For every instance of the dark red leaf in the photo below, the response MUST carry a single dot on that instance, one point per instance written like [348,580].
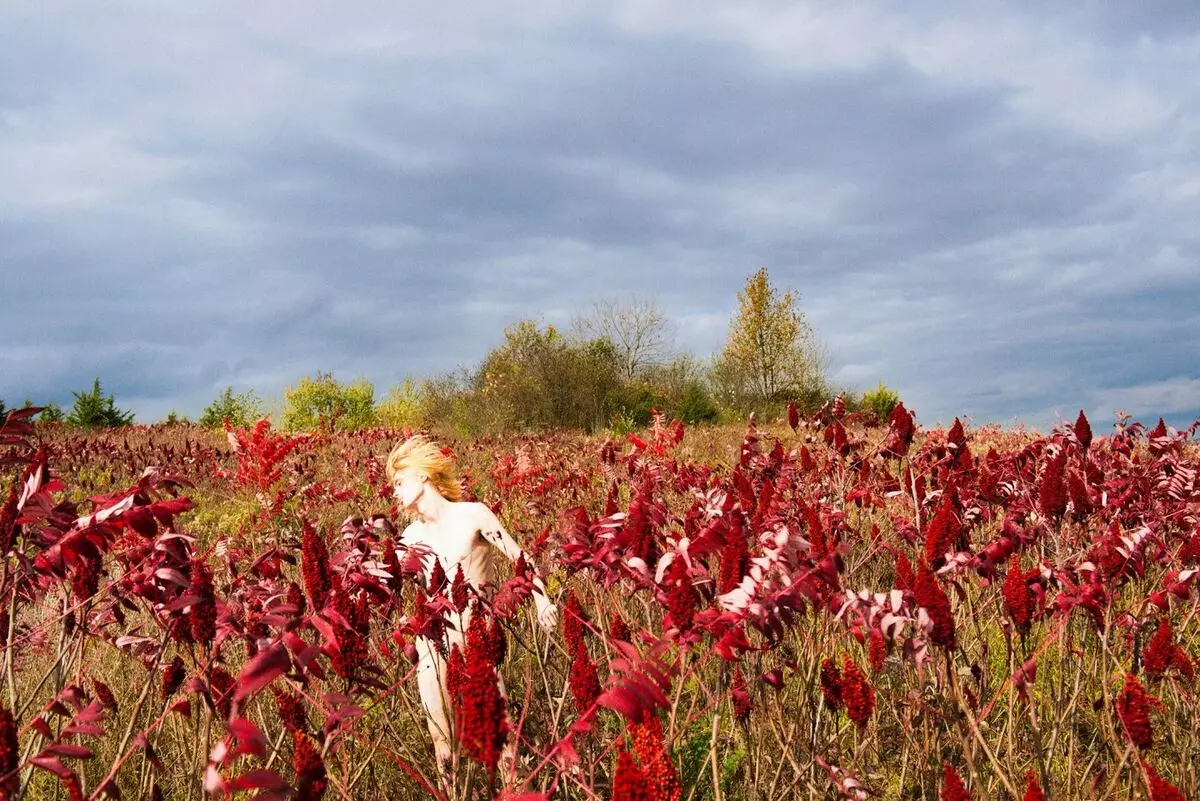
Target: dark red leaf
[69,751]
[51,764]
[142,521]
[257,780]
[261,671]
[250,739]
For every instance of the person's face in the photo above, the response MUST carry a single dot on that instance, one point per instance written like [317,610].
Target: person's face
[408,487]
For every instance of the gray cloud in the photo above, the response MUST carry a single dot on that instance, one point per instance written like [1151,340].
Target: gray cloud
[992,213]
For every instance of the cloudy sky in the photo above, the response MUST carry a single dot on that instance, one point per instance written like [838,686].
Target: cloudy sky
[995,211]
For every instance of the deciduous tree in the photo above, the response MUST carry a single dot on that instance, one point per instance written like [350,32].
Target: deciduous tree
[539,379]
[771,354]
[641,335]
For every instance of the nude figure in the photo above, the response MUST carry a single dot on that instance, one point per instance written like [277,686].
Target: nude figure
[458,534]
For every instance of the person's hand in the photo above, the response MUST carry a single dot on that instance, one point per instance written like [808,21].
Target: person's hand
[547,613]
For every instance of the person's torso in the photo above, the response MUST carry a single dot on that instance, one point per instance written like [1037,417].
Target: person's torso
[456,541]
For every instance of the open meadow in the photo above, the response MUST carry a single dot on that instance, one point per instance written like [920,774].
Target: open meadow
[825,607]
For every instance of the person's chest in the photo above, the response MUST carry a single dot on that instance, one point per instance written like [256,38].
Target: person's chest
[455,539]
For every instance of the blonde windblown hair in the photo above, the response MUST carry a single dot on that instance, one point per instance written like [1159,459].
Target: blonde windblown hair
[426,458]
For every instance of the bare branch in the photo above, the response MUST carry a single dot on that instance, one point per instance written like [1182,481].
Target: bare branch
[638,330]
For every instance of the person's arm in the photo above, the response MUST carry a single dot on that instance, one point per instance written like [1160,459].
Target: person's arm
[493,532]
[414,555]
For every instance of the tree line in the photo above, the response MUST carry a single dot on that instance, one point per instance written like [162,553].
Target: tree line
[615,364]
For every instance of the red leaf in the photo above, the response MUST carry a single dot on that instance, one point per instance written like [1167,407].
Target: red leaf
[143,742]
[23,413]
[250,739]
[141,521]
[326,630]
[51,764]
[33,481]
[773,677]
[261,671]
[564,751]
[623,700]
[166,510]
[69,751]
[257,780]
[172,575]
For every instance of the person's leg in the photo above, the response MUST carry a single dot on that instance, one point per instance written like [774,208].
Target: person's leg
[508,757]
[431,682]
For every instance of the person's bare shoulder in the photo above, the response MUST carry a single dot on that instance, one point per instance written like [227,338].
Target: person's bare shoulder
[479,514]
[411,533]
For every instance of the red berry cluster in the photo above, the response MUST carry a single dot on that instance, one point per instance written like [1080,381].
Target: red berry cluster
[856,693]
[309,767]
[629,781]
[172,677]
[291,710]
[655,762]
[479,708]
[952,786]
[1033,791]
[1018,599]
[681,595]
[943,532]
[203,613]
[10,753]
[221,687]
[1052,490]
[742,705]
[1133,708]
[314,565]
[1160,789]
[929,595]
[1161,654]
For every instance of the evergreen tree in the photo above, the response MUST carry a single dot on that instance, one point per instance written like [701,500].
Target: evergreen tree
[96,410]
[51,413]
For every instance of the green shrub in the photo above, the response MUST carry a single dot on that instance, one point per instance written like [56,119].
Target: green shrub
[240,410]
[696,406]
[446,404]
[325,400]
[635,402]
[622,423]
[881,401]
[402,407]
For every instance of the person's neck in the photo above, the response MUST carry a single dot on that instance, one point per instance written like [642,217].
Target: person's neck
[431,506]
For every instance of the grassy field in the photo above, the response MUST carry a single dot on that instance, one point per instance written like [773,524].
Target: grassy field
[818,610]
